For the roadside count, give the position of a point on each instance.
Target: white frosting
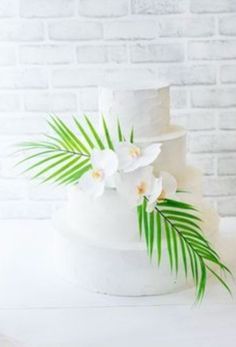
(97, 243)
(147, 110)
(99, 217)
(113, 267)
(173, 151)
(109, 219)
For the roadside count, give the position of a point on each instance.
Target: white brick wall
(53, 54)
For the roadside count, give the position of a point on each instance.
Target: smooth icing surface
(148, 110)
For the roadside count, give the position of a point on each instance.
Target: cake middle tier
(147, 110)
(173, 151)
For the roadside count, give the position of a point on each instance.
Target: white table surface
(40, 309)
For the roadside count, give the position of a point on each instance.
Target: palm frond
(84, 134)
(94, 133)
(185, 242)
(107, 134)
(58, 157)
(64, 156)
(119, 132)
(131, 138)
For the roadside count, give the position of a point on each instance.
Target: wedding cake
(97, 242)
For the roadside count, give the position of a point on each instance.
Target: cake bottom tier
(123, 270)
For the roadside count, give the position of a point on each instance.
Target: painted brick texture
(53, 54)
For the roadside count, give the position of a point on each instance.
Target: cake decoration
(96, 162)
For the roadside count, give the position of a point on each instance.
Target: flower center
(162, 196)
(141, 188)
(135, 152)
(97, 174)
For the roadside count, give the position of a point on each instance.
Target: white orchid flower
(104, 165)
(132, 157)
(165, 188)
(137, 185)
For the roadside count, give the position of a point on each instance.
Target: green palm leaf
(64, 156)
(131, 138)
(84, 134)
(107, 134)
(119, 132)
(95, 134)
(158, 237)
(185, 242)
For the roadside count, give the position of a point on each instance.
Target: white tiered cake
(97, 242)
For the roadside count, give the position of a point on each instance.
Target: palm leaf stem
(176, 229)
(65, 151)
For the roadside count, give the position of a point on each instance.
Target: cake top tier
(144, 106)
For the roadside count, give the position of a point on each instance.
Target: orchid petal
(128, 184)
(156, 190)
(150, 154)
(91, 186)
(133, 165)
(123, 152)
(105, 160)
(132, 157)
(169, 184)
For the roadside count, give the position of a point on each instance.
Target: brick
(193, 120)
(212, 143)
(45, 192)
(91, 54)
(23, 78)
(5, 150)
(187, 75)
(45, 8)
(186, 27)
(88, 98)
(152, 53)
(219, 186)
(214, 97)
(103, 8)
(227, 25)
(227, 120)
(98, 54)
(12, 189)
(159, 6)
(228, 74)
(7, 56)
(178, 98)
(117, 54)
(25, 209)
(8, 8)
(73, 78)
(9, 102)
(212, 6)
(21, 30)
(208, 50)
(21, 126)
(227, 165)
(50, 102)
(7, 147)
(75, 30)
(227, 206)
(47, 54)
(8, 170)
(130, 30)
(130, 74)
(205, 163)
